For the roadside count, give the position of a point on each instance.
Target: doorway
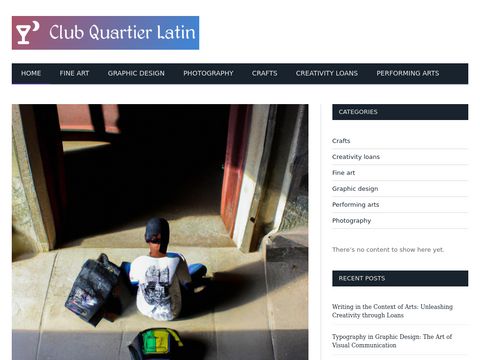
(101, 171)
(127, 163)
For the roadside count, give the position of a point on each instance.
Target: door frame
(257, 155)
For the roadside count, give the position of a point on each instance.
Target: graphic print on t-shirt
(155, 289)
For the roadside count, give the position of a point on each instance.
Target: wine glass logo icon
(23, 30)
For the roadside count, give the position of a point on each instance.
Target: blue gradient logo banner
(105, 32)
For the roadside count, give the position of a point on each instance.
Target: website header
(105, 32)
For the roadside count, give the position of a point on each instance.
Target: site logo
(23, 30)
(105, 32)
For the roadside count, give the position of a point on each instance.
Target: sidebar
(395, 224)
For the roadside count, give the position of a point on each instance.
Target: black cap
(157, 226)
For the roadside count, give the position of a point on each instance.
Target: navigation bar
(258, 74)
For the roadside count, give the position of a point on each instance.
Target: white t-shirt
(159, 281)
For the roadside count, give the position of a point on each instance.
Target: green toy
(156, 343)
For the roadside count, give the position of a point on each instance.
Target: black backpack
(92, 289)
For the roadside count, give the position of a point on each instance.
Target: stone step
(286, 269)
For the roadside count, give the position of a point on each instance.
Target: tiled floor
(231, 321)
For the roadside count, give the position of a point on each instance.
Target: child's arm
(133, 274)
(182, 271)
